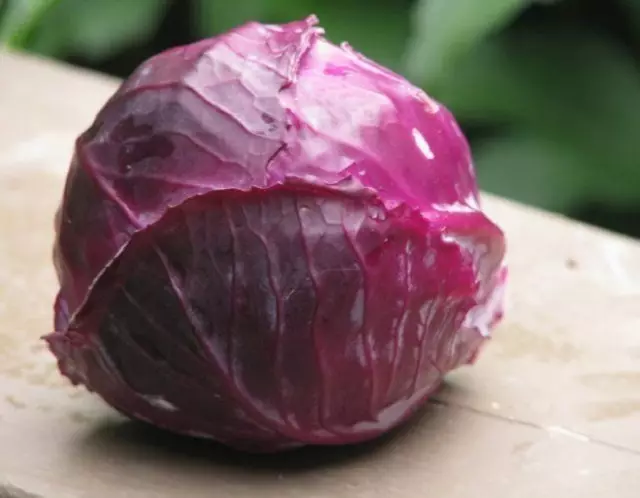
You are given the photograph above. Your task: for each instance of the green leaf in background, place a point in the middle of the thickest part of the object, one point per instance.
(533, 170)
(96, 29)
(20, 18)
(568, 85)
(444, 30)
(211, 17)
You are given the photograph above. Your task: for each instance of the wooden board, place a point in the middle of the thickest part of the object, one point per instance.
(552, 408)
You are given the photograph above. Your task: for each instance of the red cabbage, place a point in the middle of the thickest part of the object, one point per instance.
(270, 241)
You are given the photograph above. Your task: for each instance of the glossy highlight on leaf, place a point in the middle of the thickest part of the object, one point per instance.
(268, 240)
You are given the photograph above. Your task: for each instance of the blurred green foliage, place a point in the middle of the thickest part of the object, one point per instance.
(94, 29)
(547, 91)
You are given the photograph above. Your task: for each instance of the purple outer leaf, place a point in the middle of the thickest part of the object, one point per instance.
(271, 241)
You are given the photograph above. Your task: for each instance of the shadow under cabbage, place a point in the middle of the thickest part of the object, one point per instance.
(140, 442)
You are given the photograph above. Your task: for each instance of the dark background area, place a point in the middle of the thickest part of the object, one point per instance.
(548, 92)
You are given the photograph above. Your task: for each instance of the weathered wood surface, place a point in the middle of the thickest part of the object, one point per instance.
(552, 408)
